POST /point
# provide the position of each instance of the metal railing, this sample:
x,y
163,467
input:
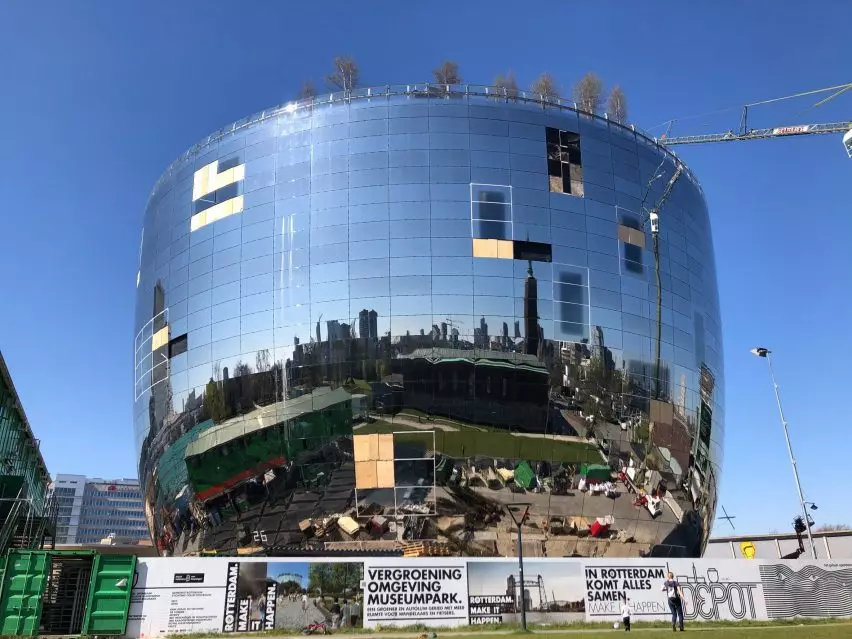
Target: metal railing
x,y
477,92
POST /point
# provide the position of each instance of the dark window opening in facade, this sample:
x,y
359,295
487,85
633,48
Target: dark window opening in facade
x,y
532,251
564,162
177,345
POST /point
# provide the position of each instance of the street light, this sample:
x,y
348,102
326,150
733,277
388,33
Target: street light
x,y
516,506
765,353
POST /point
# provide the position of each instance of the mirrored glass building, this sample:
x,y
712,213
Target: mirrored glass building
x,y
373,320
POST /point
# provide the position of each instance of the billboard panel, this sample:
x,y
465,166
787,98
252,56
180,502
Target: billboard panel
x,y
404,592
180,595
233,595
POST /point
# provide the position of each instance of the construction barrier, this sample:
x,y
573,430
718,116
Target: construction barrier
x,y
241,594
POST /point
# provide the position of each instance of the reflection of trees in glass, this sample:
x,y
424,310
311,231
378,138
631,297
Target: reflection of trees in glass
x,y
261,360
642,432
334,579
381,369
654,461
214,402
610,385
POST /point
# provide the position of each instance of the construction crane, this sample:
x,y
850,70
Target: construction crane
x,y
744,132
654,218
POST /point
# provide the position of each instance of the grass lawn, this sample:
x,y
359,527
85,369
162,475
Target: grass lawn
x,y
468,443
758,632
813,629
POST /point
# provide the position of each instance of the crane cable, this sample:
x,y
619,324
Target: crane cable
x,y
840,88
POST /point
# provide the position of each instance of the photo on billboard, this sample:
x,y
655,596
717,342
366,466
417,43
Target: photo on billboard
x,y
554,591
317,592
250,598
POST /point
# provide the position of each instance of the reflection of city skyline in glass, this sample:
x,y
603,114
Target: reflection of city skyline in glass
x,y
378,321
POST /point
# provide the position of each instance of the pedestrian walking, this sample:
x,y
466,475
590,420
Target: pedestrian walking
x,y
335,614
355,613
346,614
304,602
675,595
625,613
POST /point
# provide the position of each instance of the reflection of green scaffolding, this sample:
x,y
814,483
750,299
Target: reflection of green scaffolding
x,y
536,582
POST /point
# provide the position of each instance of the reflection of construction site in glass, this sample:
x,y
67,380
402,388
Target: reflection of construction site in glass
x,y
385,368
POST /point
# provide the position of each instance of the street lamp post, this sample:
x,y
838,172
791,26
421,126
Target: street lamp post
x,y
766,353
519,524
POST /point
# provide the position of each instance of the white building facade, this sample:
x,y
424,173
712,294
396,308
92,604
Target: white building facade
x,y
90,509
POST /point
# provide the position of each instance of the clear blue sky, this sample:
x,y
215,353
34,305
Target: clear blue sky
x,y
99,97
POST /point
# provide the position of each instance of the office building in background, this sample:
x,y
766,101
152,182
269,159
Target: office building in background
x,y
381,316
90,509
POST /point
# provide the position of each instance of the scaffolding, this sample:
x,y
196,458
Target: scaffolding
x,y
27,514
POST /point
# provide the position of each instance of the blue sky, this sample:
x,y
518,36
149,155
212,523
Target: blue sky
x,y
99,97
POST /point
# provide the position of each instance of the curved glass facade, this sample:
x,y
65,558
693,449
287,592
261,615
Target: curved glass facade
x,y
378,318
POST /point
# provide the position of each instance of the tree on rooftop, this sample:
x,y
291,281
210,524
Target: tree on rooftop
x,y
588,92
307,91
447,73
545,86
617,105
507,84
345,75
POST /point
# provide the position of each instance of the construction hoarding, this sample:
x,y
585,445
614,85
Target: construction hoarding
x,y
232,595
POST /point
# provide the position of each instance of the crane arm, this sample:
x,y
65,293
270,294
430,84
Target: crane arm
x,y
758,134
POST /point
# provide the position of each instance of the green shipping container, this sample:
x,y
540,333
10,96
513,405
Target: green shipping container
x,y
64,593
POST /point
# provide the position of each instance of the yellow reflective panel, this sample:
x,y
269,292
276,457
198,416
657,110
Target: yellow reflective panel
x,y
385,447
365,474
384,474
161,338
505,249
484,248
208,179
216,213
366,447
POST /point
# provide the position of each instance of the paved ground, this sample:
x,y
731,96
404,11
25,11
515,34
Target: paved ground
x,y
289,614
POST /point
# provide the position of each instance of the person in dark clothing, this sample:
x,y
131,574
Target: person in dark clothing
x,y
335,614
675,595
